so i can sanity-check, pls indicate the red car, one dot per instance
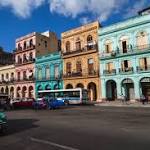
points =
(22, 103)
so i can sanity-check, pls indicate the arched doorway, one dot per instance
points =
(47, 87)
(24, 91)
(145, 87)
(80, 85)
(111, 90)
(12, 92)
(128, 89)
(92, 91)
(18, 94)
(2, 90)
(31, 92)
(69, 86)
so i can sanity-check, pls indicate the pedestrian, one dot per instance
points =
(143, 99)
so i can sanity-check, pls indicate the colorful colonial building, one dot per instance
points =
(7, 76)
(49, 72)
(80, 59)
(125, 58)
(27, 48)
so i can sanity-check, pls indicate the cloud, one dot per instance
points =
(22, 8)
(97, 9)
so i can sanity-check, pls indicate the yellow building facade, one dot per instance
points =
(7, 76)
(80, 59)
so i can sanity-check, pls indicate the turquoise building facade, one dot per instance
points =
(48, 72)
(124, 50)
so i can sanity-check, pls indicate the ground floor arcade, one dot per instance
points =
(25, 90)
(7, 89)
(92, 85)
(130, 88)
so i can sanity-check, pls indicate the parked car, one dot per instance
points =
(3, 122)
(22, 103)
(40, 103)
(54, 103)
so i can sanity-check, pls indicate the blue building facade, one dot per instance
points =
(49, 72)
(124, 50)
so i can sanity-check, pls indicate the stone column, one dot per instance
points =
(119, 90)
(103, 88)
(137, 90)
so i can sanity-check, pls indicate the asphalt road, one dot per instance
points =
(78, 128)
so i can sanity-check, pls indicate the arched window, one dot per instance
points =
(78, 44)
(68, 68)
(19, 47)
(67, 46)
(79, 67)
(142, 40)
(31, 56)
(24, 58)
(89, 39)
(2, 77)
(108, 46)
(31, 43)
(25, 45)
(7, 76)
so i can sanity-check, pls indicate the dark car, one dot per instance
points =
(54, 103)
(22, 103)
(40, 103)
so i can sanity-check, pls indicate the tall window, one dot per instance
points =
(19, 60)
(79, 66)
(18, 74)
(31, 56)
(24, 75)
(56, 71)
(90, 66)
(19, 47)
(144, 63)
(67, 46)
(126, 65)
(2, 77)
(68, 68)
(142, 40)
(31, 43)
(47, 72)
(39, 73)
(7, 76)
(78, 45)
(12, 76)
(25, 45)
(109, 66)
(24, 58)
(124, 46)
(89, 39)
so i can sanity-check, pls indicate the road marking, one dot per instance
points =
(53, 144)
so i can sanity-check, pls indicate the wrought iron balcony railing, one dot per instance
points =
(84, 49)
(25, 62)
(143, 68)
(129, 50)
(20, 49)
(126, 70)
(25, 79)
(109, 72)
(81, 74)
(52, 78)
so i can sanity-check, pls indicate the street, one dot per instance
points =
(78, 128)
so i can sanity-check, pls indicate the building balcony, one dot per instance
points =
(46, 79)
(25, 62)
(5, 82)
(82, 50)
(29, 79)
(93, 73)
(143, 68)
(130, 51)
(109, 72)
(20, 50)
(128, 70)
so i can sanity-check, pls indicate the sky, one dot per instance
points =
(21, 17)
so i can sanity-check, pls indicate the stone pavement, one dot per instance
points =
(121, 104)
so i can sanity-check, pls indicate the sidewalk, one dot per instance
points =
(120, 104)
